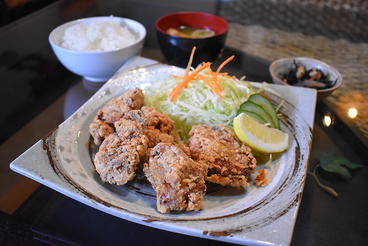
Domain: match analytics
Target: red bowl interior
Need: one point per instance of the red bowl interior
(193, 19)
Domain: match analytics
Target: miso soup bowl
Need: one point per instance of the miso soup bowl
(177, 50)
(97, 66)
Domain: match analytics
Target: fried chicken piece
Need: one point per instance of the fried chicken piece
(99, 130)
(161, 122)
(261, 178)
(229, 162)
(132, 133)
(166, 126)
(158, 127)
(103, 122)
(121, 152)
(177, 179)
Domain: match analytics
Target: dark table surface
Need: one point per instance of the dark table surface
(35, 98)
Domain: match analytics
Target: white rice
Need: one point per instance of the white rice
(98, 36)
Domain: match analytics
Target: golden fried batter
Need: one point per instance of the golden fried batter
(136, 133)
(102, 124)
(132, 133)
(177, 179)
(261, 178)
(161, 122)
(158, 128)
(228, 161)
(99, 130)
(121, 152)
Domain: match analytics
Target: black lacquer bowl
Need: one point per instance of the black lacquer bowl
(176, 50)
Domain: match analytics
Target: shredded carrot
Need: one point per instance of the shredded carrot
(178, 88)
(217, 73)
(190, 62)
(214, 84)
(208, 83)
(184, 83)
(224, 63)
(187, 69)
(177, 77)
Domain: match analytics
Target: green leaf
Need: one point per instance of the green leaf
(331, 163)
(348, 163)
(336, 167)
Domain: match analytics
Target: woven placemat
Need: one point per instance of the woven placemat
(334, 19)
(350, 59)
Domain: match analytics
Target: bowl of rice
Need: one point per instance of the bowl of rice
(97, 47)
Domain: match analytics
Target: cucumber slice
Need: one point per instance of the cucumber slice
(257, 109)
(254, 116)
(267, 106)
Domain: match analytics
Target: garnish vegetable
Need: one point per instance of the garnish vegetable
(256, 111)
(260, 107)
(200, 96)
(211, 81)
(259, 137)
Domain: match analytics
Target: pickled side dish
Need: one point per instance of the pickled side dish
(299, 75)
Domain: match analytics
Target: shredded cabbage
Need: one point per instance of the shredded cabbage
(198, 104)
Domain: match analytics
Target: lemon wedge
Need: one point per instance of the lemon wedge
(259, 137)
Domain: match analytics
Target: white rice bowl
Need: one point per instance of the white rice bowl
(96, 47)
(102, 35)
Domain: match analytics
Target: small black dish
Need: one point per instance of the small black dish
(177, 50)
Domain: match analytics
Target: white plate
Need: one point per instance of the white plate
(250, 216)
